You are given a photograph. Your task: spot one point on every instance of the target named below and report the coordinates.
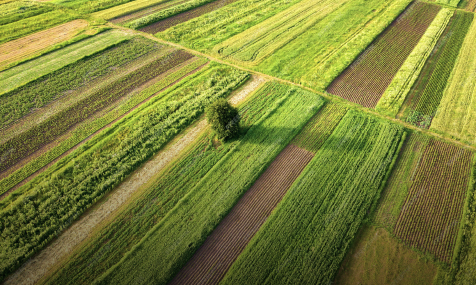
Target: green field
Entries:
(354, 162)
(303, 243)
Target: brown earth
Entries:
(431, 215)
(212, 260)
(27, 46)
(185, 16)
(366, 79)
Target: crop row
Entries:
(83, 131)
(310, 231)
(431, 90)
(29, 71)
(320, 127)
(321, 53)
(366, 79)
(86, 6)
(28, 142)
(394, 96)
(19, 102)
(430, 217)
(139, 6)
(181, 232)
(166, 13)
(456, 114)
(400, 180)
(54, 199)
(258, 42)
(108, 245)
(206, 31)
(211, 261)
(18, 10)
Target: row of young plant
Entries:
(456, 115)
(177, 236)
(307, 236)
(143, 7)
(45, 132)
(395, 94)
(88, 128)
(428, 92)
(340, 58)
(87, 6)
(360, 21)
(204, 32)
(163, 14)
(58, 196)
(19, 102)
(18, 10)
(107, 246)
(29, 71)
(319, 128)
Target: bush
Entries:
(224, 119)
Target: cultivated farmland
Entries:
(432, 212)
(353, 160)
(306, 238)
(366, 79)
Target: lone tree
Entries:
(224, 119)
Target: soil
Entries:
(212, 260)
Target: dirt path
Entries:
(21, 48)
(38, 266)
(211, 261)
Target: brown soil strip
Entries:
(24, 47)
(365, 80)
(145, 12)
(185, 16)
(38, 266)
(431, 214)
(212, 260)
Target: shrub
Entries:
(224, 119)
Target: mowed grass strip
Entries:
(211, 261)
(24, 47)
(109, 244)
(306, 238)
(394, 96)
(174, 239)
(24, 27)
(204, 32)
(54, 199)
(320, 127)
(258, 42)
(365, 80)
(430, 218)
(22, 74)
(28, 142)
(428, 91)
(456, 114)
